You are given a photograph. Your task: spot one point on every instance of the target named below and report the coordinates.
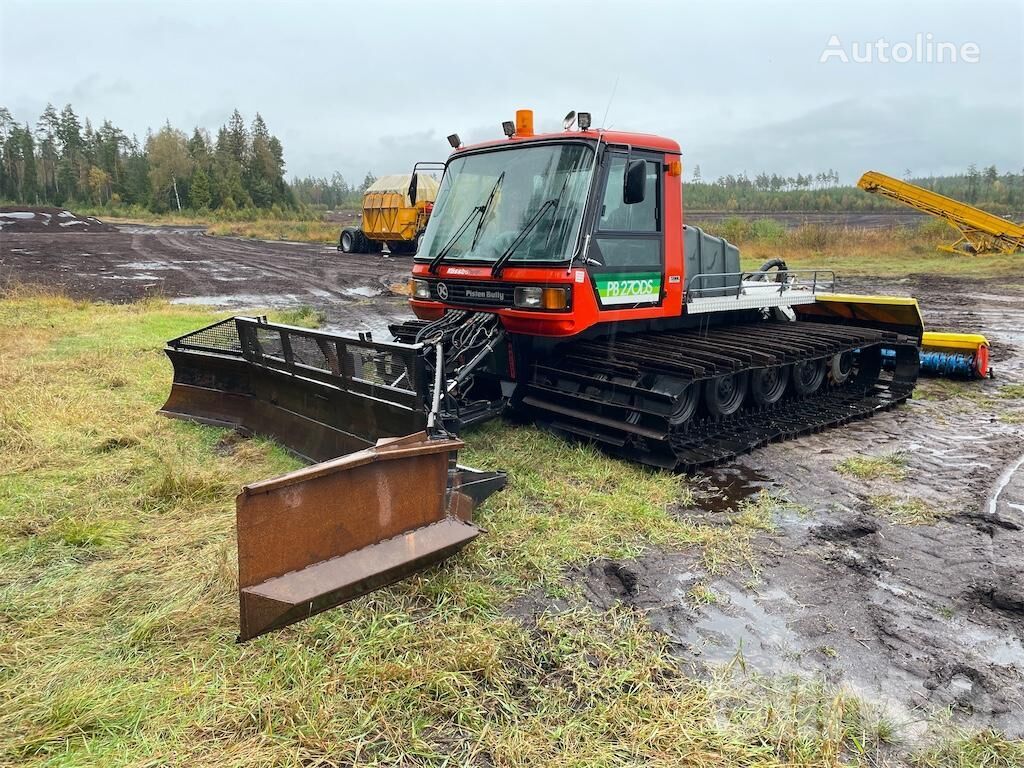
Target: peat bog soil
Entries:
(908, 589)
(354, 291)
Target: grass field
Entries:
(853, 251)
(118, 606)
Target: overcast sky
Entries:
(376, 86)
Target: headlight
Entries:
(421, 289)
(541, 298)
(528, 298)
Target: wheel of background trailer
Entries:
(840, 367)
(684, 405)
(768, 385)
(808, 375)
(348, 240)
(723, 395)
(362, 244)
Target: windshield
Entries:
(529, 197)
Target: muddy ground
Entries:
(919, 619)
(923, 620)
(182, 264)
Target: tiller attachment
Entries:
(317, 537)
(958, 355)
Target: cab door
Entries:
(626, 258)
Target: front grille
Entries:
(474, 293)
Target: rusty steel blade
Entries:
(375, 509)
(312, 539)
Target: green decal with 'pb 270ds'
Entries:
(628, 287)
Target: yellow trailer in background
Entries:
(390, 217)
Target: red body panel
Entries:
(636, 140)
(585, 310)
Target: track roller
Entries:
(723, 395)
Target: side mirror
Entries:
(413, 187)
(634, 184)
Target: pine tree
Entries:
(8, 183)
(199, 194)
(69, 134)
(237, 138)
(46, 139)
(136, 171)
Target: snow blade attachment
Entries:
(319, 394)
(317, 537)
(381, 504)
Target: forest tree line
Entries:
(988, 188)
(64, 160)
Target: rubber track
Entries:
(608, 373)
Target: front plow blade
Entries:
(317, 537)
(377, 507)
(319, 394)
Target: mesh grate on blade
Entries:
(287, 349)
(221, 337)
(392, 369)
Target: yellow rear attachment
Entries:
(389, 214)
(892, 313)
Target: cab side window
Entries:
(616, 216)
(628, 235)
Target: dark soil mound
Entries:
(24, 218)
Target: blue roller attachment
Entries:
(948, 364)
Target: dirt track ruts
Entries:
(182, 264)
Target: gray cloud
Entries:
(353, 87)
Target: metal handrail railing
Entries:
(814, 280)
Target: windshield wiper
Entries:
(480, 210)
(500, 263)
(486, 208)
(558, 202)
(434, 262)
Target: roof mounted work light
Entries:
(455, 141)
(583, 118)
(509, 128)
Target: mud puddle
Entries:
(725, 489)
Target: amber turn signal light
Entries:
(555, 298)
